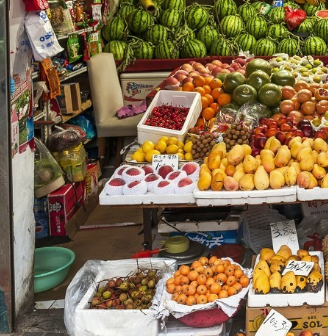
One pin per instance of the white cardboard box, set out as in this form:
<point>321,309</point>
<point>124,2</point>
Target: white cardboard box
<point>175,98</point>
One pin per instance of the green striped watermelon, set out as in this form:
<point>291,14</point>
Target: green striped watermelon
<point>117,48</point>
<point>246,42</point>
<point>292,4</point>
<point>246,11</point>
<point>264,47</point>
<point>311,10</point>
<point>196,16</point>
<point>321,29</point>
<point>277,15</point>
<point>125,10</point>
<point>171,18</point>
<point>257,26</point>
<point>129,2</point>
<point>139,21</point>
<point>307,25</point>
<point>184,33</point>
<point>222,47</point>
<point>289,46</point>
<point>224,8</point>
<point>315,46</point>
<point>208,34</point>
<point>114,29</point>
<point>277,31</point>
<point>174,4</point>
<point>166,50</point>
<point>143,50</point>
<point>193,48</point>
<point>156,34</point>
<point>232,25</point>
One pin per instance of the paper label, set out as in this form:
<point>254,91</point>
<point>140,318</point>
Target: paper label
<point>274,324</point>
<point>315,208</point>
<point>165,160</point>
<point>284,233</point>
<point>299,267</point>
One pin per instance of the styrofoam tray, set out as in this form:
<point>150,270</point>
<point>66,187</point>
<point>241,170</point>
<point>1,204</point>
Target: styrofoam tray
<point>149,198</point>
<point>209,197</point>
<point>284,300</point>
<point>316,193</point>
<point>175,98</point>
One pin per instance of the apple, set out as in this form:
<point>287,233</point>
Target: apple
<point>255,151</point>
<point>260,142</point>
<point>281,136</point>
<point>225,65</point>
<point>216,70</point>
<point>217,62</point>
<point>306,333</point>
<point>320,134</point>
<point>271,132</point>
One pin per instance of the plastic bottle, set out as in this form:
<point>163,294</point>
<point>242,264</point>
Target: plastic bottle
<point>79,168</point>
<point>66,164</point>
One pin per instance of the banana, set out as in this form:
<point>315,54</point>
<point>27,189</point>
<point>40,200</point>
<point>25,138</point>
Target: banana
<point>257,322</point>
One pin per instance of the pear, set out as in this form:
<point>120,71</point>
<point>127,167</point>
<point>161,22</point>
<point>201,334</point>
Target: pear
<point>238,174</point>
<point>221,146</point>
<point>308,142</point>
<point>324,182</point>
<point>204,181</point>
<point>277,180</point>
<point>275,145</point>
<point>295,148</point>
<point>217,182</point>
<point>290,176</point>
<point>303,153</point>
<point>230,184</point>
<point>296,139</point>
<point>282,170</point>
<point>230,170</point>
<point>303,179</point>
<point>265,152</point>
<point>250,164</point>
<point>218,170</point>
<point>322,159</point>
<point>247,182</point>
<point>318,172</point>
<point>315,156</point>
<point>313,182</point>
<point>307,163</point>
<point>268,163</point>
<point>247,149</point>
<point>296,165</point>
<point>261,179</point>
<point>320,145</point>
<point>224,161</point>
<point>236,155</point>
<point>282,157</point>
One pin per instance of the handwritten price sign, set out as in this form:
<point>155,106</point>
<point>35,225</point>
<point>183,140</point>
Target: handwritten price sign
<point>299,267</point>
<point>274,324</point>
<point>284,233</point>
<point>163,160</point>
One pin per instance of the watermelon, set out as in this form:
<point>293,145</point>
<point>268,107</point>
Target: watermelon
<point>117,48</point>
<point>196,16</point>
<point>264,47</point>
<point>307,25</point>
<point>139,21</point>
<point>232,25</point>
<point>224,8</point>
<point>171,18</point>
<point>257,5</point>
<point>208,34</point>
<point>193,48</point>
<point>292,4</point>
<point>322,14</point>
<point>277,15</point>
<point>277,31</point>
<point>321,29</point>
<point>312,10</point>
<point>246,11</point>
<point>156,34</point>
<point>174,4</point>
<point>257,27</point>
<point>125,10</point>
<point>184,33</point>
<point>166,50</point>
<point>143,50</point>
<point>114,29</point>
<point>288,46</point>
<point>246,42</point>
<point>221,47</point>
<point>314,45</point>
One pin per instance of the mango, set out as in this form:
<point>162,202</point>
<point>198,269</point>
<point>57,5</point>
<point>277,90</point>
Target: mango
<point>290,176</point>
<point>303,153</point>
<point>282,157</point>
<point>262,285</point>
<point>277,180</point>
<point>218,170</point>
<point>261,179</point>
<point>230,170</point>
<point>239,173</point>
<point>296,165</point>
<point>322,159</point>
<point>230,184</point>
<point>263,265</point>
<point>266,253</point>
<point>214,160</point>
<point>302,253</point>
<point>275,145</point>
<point>274,281</point>
<point>296,139</point>
<point>236,155</point>
<point>304,178</point>
<point>221,146</point>
<point>249,164</point>
<point>288,283</point>
<point>318,172</point>
<point>217,182</point>
<point>295,149</point>
<point>307,163</point>
<point>320,145</point>
<point>284,251</point>
<point>247,149</point>
<point>204,168</point>
<point>247,182</point>
<point>224,162</point>
<point>204,181</point>
<point>268,163</point>
<point>313,182</point>
<point>265,152</point>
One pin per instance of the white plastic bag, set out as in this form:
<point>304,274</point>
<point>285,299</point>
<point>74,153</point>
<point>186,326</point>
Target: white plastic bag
<point>41,35</point>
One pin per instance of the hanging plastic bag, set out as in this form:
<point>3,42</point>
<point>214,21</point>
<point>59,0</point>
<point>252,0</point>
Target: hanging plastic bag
<point>86,124</point>
<point>41,35</point>
<point>294,17</point>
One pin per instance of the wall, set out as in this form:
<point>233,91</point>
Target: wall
<point>23,196</point>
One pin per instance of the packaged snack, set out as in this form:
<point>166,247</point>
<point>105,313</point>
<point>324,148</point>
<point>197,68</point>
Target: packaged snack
<point>52,77</point>
<point>73,47</point>
<point>94,44</point>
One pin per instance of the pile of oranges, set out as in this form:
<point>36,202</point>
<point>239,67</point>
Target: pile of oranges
<point>212,95</point>
<point>206,280</point>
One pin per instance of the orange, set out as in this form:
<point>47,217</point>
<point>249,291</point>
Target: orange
<point>212,297</point>
<point>224,99</point>
<point>221,277</point>
<point>216,93</point>
<point>244,281</point>
<point>198,80</point>
<point>201,279</point>
<point>208,113</point>
<point>215,288</point>
<point>195,264</point>
<point>207,88</point>
<point>201,299</point>
<point>190,290</point>
<point>205,102</point>
<point>232,291</point>
<point>212,259</point>
<point>200,122</point>
<point>170,288</point>
<point>215,83</point>
<point>188,86</point>
<point>191,300</point>
<point>208,80</point>
<point>201,289</point>
<point>215,107</point>
<point>209,97</point>
<point>231,280</point>
<point>223,294</point>
<point>184,269</point>
<point>182,298</point>
<point>184,280</point>
<point>200,90</point>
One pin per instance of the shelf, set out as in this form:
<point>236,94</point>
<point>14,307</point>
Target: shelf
<point>84,107</point>
<point>79,31</point>
<point>72,74</point>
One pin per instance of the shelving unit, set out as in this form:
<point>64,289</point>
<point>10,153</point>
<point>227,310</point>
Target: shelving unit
<point>85,105</point>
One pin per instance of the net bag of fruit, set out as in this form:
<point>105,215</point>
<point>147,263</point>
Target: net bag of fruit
<point>104,297</point>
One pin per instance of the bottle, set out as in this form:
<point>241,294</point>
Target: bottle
<point>66,164</point>
<point>78,156</point>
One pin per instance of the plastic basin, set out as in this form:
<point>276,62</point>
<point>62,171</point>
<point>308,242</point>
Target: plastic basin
<point>51,267</point>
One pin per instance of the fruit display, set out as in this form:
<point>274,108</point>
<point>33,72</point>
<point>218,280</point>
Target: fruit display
<point>236,134</point>
<point>206,280</point>
<point>202,145</point>
<point>268,278</point>
<point>135,291</point>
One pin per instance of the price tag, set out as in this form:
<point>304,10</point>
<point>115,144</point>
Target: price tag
<point>275,324</point>
<point>284,233</point>
<point>299,267</point>
<point>167,159</point>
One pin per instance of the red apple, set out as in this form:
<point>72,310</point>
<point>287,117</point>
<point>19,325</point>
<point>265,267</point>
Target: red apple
<point>271,132</point>
<point>256,151</point>
<point>298,133</point>
<point>286,127</point>
<point>260,142</point>
<point>225,65</point>
<point>306,333</point>
<point>242,71</point>
<point>321,134</point>
<point>281,136</point>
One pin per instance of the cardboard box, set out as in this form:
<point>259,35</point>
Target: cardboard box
<point>314,318</point>
<point>63,204</point>
<point>70,98</point>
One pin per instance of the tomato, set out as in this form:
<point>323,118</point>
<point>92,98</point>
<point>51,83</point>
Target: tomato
<point>257,79</point>
<point>270,95</point>
<point>232,80</point>
<point>244,94</point>
<point>258,64</point>
<point>283,77</point>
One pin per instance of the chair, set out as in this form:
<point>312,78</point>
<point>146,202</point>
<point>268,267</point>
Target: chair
<point>107,98</point>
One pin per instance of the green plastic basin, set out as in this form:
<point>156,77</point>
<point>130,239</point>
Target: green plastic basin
<point>51,267</point>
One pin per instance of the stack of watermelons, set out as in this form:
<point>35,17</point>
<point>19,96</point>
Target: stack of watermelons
<point>175,30</point>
